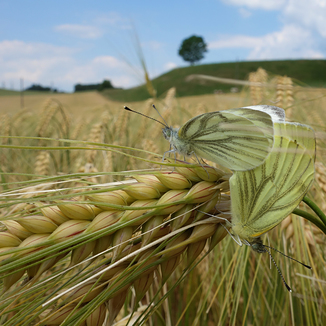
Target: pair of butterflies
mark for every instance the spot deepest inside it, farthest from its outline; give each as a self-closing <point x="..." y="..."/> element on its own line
<point x="272" y="161"/>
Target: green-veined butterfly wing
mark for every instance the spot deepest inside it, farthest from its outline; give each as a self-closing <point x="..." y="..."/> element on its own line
<point x="239" y="139"/>
<point x="276" y="114"/>
<point x="262" y="197"/>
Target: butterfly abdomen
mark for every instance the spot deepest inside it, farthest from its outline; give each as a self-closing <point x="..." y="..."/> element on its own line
<point x="243" y="231"/>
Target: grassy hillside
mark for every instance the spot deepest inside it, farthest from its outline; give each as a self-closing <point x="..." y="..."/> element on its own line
<point x="305" y="72"/>
<point x="7" y="92"/>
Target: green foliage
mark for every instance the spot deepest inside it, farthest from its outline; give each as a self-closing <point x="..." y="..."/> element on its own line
<point x="40" y="88"/>
<point x="192" y="49"/>
<point x="9" y="92"/>
<point x="106" y="84"/>
<point x="308" y="72"/>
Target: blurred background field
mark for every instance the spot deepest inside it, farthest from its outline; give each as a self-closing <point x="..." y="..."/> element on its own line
<point x="230" y="286"/>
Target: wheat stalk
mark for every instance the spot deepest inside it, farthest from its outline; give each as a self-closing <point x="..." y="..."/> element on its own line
<point x="284" y="94"/>
<point x="5" y="127"/>
<point x="144" y="123"/>
<point x="150" y="237"/>
<point x="120" y="126"/>
<point x="48" y="112"/>
<point x="289" y="100"/>
<point x="42" y="163"/>
<point x="200" y="109"/>
<point x="77" y="129"/>
<point x="169" y="98"/>
<point x="95" y="136"/>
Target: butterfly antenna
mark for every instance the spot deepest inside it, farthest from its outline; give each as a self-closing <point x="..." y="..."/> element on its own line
<point x="279" y="271"/>
<point x="166" y="125"/>
<point x="307" y="266"/>
<point x="146" y="116"/>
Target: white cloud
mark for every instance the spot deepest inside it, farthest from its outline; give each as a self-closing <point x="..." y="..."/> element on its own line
<point x="94" y="71"/>
<point x="10" y="49"/>
<point x="309" y="14"/>
<point x="81" y="31"/>
<point x="32" y="61"/>
<point x="107" y="61"/>
<point x="291" y="42"/>
<point x="258" y="4"/>
<point x="170" y="66"/>
<point x="302" y="36"/>
<point x="45" y="63"/>
<point x="236" y="41"/>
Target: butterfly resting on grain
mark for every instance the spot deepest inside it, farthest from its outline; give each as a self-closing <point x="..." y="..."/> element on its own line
<point x="263" y="197"/>
<point x="272" y="161"/>
<point x="239" y="139"/>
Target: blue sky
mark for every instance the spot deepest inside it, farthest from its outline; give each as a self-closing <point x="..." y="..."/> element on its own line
<point x="62" y="43"/>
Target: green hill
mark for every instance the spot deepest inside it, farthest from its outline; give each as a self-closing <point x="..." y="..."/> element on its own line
<point x="305" y="72"/>
<point x="5" y="92"/>
<point x="8" y="92"/>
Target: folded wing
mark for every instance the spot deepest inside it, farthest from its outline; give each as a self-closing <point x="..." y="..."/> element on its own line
<point x="262" y="197"/>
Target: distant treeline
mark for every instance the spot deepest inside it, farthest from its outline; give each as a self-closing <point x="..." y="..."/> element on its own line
<point x="106" y="84"/>
<point x="39" y="88"/>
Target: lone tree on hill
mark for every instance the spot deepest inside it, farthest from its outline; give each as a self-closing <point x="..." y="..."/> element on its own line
<point x="192" y="49"/>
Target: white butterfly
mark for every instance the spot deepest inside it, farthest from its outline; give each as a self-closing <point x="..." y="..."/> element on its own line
<point x="262" y="197"/>
<point x="239" y="139"/>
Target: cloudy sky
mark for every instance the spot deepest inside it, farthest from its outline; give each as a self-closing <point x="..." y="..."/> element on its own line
<point x="62" y="43"/>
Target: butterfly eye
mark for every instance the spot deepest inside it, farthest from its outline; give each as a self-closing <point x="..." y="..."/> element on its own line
<point x="166" y="133"/>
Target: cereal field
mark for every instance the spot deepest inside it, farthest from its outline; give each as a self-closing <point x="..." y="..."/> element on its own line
<point x="82" y="161"/>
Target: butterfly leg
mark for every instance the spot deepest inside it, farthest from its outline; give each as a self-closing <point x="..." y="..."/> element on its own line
<point x="236" y="238"/>
<point x="170" y="151"/>
<point x="198" y="160"/>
